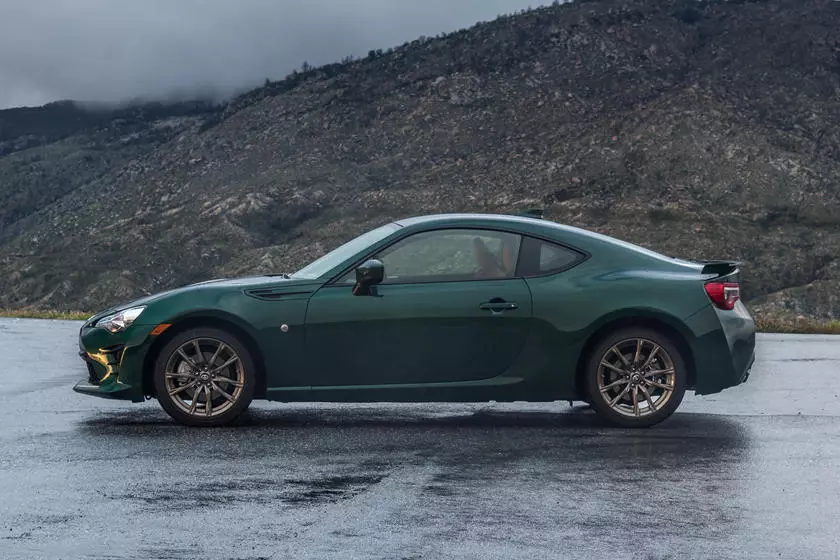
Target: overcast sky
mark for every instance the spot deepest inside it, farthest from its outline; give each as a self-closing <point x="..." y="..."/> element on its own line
<point x="112" y="50"/>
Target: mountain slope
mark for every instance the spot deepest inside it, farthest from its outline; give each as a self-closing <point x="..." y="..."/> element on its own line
<point x="700" y="129"/>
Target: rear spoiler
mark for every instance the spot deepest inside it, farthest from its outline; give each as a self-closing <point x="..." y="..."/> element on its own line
<point x="533" y="213"/>
<point x="719" y="268"/>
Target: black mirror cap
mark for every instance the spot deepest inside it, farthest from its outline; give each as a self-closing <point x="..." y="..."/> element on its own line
<point x="368" y="274"/>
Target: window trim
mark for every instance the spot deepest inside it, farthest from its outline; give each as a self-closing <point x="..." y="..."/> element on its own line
<point x="584" y="256"/>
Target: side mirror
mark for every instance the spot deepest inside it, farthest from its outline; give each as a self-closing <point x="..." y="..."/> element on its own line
<point x="369" y="273"/>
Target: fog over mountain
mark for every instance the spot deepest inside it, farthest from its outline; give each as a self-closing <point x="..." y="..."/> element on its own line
<point x="117" y="50"/>
<point x="700" y="129"/>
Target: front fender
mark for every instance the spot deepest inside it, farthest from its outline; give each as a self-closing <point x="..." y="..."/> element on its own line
<point x="274" y="327"/>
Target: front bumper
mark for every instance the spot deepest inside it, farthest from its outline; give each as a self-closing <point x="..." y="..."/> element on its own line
<point x="114" y="362"/>
<point x="119" y="391"/>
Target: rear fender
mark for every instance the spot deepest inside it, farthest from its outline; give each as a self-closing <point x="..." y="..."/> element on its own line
<point x="657" y="319"/>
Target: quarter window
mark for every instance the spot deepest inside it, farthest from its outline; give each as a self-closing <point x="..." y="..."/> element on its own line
<point x="540" y="257"/>
<point x="553" y="257"/>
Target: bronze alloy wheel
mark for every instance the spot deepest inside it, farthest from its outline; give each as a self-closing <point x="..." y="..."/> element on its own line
<point x="204" y="377"/>
<point x="637" y="378"/>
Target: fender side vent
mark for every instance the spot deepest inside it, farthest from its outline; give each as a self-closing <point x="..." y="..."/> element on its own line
<point x="273" y="293"/>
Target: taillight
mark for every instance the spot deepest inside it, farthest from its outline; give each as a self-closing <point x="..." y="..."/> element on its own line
<point x="724" y="294"/>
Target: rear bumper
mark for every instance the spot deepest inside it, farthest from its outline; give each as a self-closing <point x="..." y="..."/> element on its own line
<point x="724" y="352"/>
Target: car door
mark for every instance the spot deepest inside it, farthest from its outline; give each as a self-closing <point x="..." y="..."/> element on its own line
<point x="449" y="309"/>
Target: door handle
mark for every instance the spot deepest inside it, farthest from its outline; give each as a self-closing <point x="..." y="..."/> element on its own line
<point x="497" y="305"/>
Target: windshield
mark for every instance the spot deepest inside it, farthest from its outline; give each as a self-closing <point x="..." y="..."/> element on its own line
<point x="319" y="267"/>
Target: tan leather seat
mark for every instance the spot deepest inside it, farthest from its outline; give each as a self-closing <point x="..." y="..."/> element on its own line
<point x="486" y="262"/>
<point x="508" y="259"/>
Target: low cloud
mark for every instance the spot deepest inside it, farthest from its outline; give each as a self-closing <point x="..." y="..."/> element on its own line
<point x="116" y="50"/>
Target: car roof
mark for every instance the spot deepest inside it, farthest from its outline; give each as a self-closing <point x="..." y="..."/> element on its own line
<point x="526" y="223"/>
<point x="463" y="216"/>
<point x="584" y="239"/>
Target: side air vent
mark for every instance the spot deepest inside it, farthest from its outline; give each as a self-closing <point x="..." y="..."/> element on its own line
<point x="273" y="294"/>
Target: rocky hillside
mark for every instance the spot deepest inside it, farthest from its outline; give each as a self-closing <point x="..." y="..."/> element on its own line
<point x="704" y="129"/>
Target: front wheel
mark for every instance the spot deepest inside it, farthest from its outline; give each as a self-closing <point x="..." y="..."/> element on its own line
<point x="635" y="378"/>
<point x="204" y="377"/>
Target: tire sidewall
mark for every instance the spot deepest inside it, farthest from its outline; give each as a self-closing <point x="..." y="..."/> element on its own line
<point x="160" y="381"/>
<point x="603" y="409"/>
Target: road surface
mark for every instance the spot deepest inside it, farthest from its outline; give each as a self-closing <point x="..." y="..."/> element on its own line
<point x="753" y="472"/>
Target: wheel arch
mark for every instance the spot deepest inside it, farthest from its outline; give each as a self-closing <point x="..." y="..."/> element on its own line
<point x="213" y="319"/>
<point x="661" y="322"/>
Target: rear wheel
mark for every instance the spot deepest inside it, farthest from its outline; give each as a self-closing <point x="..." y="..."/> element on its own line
<point x="204" y="377"/>
<point x="636" y="378"/>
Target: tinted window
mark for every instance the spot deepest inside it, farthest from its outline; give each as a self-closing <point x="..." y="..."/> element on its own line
<point x="318" y="268"/>
<point x="555" y="257"/>
<point x="449" y="255"/>
<point x="543" y="257"/>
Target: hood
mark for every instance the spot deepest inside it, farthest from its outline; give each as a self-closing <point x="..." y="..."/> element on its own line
<point x="251" y="282"/>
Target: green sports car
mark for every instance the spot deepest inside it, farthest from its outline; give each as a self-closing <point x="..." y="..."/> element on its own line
<point x="453" y="307"/>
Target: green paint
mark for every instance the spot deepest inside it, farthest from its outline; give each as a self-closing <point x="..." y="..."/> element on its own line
<point x="415" y="339"/>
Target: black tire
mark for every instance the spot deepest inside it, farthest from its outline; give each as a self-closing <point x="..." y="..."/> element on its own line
<point x="236" y="381"/>
<point x="645" y="409"/>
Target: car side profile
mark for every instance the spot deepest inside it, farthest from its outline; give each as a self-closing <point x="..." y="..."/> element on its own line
<point x="451" y="307"/>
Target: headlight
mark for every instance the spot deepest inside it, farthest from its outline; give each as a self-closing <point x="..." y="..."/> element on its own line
<point x="120" y="321"/>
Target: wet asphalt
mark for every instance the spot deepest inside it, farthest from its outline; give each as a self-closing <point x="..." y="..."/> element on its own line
<point x="753" y="472"/>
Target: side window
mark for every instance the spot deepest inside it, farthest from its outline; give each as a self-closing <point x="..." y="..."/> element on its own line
<point x="450" y="255"/>
<point x="554" y="257"/>
<point x="543" y="257"/>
